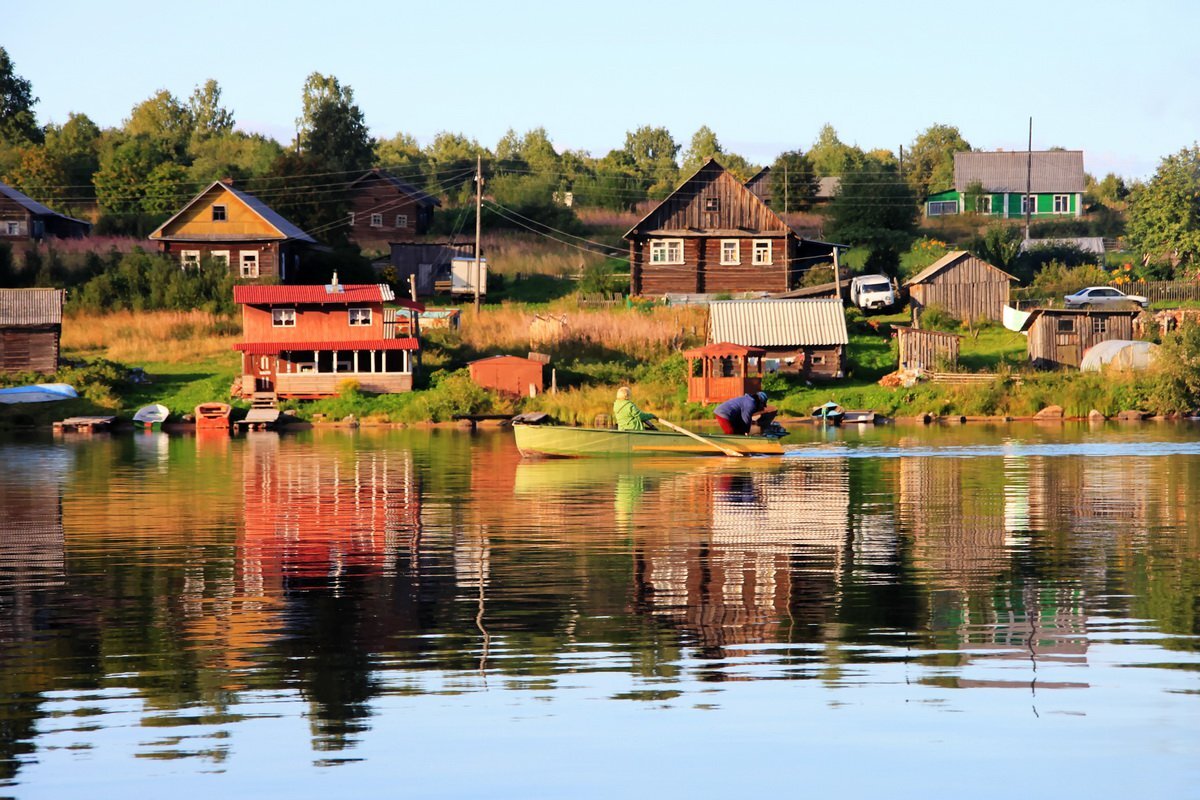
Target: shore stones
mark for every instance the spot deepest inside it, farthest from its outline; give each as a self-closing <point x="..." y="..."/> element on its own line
<point x="1050" y="412"/>
<point x="1095" y="416"/>
<point x="1129" y="414"/>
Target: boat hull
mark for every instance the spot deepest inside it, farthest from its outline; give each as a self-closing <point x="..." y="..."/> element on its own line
<point x="556" y="441"/>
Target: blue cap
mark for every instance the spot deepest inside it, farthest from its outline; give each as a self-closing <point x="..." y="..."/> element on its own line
<point x="762" y="397"/>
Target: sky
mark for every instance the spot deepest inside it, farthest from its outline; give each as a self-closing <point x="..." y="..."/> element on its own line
<point x="1114" y="79"/>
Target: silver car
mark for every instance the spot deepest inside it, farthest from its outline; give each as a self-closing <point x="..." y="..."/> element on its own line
<point x="1094" y="296"/>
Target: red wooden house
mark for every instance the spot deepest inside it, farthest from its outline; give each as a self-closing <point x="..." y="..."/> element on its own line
<point x="385" y="209"/>
<point x="715" y="235"/>
<point x="305" y="341"/>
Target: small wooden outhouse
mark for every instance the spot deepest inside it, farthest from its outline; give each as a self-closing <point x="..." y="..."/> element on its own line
<point x="1058" y="337"/>
<point x="722" y="371"/>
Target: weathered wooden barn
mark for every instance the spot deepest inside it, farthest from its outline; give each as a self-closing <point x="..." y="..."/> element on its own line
<point x="385" y="209"/>
<point x="806" y="337"/>
<point x="23" y="219"/>
<point x="30" y="329"/>
<point x="715" y="235"/>
<point x="964" y="286"/>
<point x="926" y="351"/>
<point x="1058" y="337"/>
<point x="228" y="225"/>
<point x="514" y="375"/>
<point x="721" y="371"/>
<point x="305" y="341"/>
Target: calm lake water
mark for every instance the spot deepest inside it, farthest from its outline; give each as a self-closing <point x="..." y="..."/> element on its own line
<point x="898" y="612"/>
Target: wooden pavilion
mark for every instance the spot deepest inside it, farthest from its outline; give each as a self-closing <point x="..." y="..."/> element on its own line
<point x="719" y="372"/>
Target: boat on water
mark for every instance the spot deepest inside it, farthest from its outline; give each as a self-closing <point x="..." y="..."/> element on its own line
<point x="151" y="417"/>
<point x="829" y="414"/>
<point x="212" y="416"/>
<point x="559" y="441"/>
<point x="38" y="393"/>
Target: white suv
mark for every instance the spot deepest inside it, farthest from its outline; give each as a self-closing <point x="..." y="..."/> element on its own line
<point x="1102" y="296"/>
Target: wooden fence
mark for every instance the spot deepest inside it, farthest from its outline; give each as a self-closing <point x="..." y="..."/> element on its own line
<point x="962" y="378"/>
<point x="1162" y="291"/>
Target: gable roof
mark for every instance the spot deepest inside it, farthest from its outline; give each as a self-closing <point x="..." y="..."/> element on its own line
<point x="666" y="215"/>
<point x="946" y="261"/>
<point x="328" y="294"/>
<point x="404" y="188"/>
<point x="1005" y="171"/>
<point x="778" y="323"/>
<point x="285" y="228"/>
<point x="33" y="206"/>
<point x="31" y="306"/>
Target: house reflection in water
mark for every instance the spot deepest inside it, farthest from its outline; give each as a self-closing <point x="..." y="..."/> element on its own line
<point x="771" y="554"/>
<point x="31" y="531"/>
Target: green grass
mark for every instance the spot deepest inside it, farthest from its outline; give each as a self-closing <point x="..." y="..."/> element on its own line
<point x="182" y="387"/>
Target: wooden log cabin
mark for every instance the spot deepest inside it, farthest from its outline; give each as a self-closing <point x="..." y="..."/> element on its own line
<point x="30" y="330"/>
<point x="1058" y="337"/>
<point x="232" y="226"/>
<point x="803" y="337"/>
<point x="23" y="219"/>
<point x="385" y="209"/>
<point x="722" y="371"/>
<point x="306" y="341"/>
<point x="964" y="286"/>
<point x="715" y="235"/>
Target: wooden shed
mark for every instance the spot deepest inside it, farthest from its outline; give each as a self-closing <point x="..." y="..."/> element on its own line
<point x="30" y="329"/>
<point x="964" y="286"/>
<point x="926" y="351"/>
<point x="1058" y="337"/>
<point x="804" y="337"/>
<point x="722" y="371"/>
<point x="509" y="374"/>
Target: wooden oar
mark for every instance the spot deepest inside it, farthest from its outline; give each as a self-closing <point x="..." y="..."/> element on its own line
<point x="726" y="450"/>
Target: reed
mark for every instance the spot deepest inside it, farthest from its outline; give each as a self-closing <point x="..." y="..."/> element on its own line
<point x="150" y="336"/>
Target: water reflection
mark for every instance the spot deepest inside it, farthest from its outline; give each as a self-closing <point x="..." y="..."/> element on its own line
<point x="189" y="586"/>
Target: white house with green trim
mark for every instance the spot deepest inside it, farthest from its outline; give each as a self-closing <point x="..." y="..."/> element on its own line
<point x="1055" y="185"/>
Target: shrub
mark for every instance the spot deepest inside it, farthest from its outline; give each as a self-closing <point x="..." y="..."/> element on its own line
<point x="936" y="318"/>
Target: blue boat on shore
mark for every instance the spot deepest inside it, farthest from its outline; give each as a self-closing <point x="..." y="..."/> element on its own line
<point x="38" y="393"/>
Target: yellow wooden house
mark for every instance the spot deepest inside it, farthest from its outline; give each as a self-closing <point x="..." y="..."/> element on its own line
<point x="226" y="224"/>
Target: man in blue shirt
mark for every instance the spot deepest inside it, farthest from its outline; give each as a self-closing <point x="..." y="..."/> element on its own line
<point x="737" y="416"/>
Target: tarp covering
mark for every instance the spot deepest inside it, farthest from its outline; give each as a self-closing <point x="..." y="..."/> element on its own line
<point x="1123" y="353"/>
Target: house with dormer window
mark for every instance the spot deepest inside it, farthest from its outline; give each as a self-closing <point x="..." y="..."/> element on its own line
<point x="306" y="341"/>
<point x="715" y="235"/>
<point x="232" y="226"/>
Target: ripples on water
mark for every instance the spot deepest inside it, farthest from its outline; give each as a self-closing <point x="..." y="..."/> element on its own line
<point x="430" y="613"/>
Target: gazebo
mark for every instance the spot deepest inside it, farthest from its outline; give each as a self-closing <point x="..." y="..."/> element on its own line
<point x="718" y="372"/>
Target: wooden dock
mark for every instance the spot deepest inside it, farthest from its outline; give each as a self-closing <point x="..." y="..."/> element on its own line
<point x="83" y="424"/>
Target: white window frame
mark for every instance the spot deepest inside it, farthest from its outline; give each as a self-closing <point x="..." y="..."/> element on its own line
<point x="189" y="258"/>
<point x="224" y="212"/>
<point x="242" y="263"/>
<point x="1062" y="204"/>
<point x="283" y="317"/>
<point x="12" y="228"/>
<point x="351" y="218"/>
<point x="358" y="317"/>
<point x="663" y="251"/>
<point x="762" y="246"/>
<point x="737" y="252"/>
<point x="377" y="220"/>
<point x="402" y="220"/>
<point x="220" y="255"/>
<point x="983" y="204"/>
<point x="1029" y="204"/>
<point x="941" y="208"/>
<point x="1100" y="325"/>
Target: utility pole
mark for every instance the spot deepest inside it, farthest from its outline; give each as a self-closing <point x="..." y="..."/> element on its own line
<point x="901" y="161"/>
<point x="478" y="222"/>
<point x="1029" y="180"/>
<point x="785" y="188"/>
<point x="837" y="275"/>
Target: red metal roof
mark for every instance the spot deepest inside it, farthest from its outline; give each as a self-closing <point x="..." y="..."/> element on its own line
<point x="342" y="294"/>
<point x="268" y="348"/>
<point x="724" y="349"/>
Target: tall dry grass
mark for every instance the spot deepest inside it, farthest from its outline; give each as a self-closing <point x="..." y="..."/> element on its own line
<point x="150" y="336"/>
<point x="632" y="333"/>
<point x="511" y="254"/>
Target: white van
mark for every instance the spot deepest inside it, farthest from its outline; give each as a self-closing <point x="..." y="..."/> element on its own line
<point x="872" y="292"/>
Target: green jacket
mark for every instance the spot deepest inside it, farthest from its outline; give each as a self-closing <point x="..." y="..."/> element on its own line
<point x="629" y="417"/>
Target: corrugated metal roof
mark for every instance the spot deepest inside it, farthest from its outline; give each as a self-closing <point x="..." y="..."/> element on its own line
<point x="33" y="206"/>
<point x="286" y="229"/>
<point x="1053" y="171"/>
<point x="268" y="348"/>
<point x="778" y="323"/>
<point x="946" y="261"/>
<point x="342" y="294"/>
<point x="31" y="306"/>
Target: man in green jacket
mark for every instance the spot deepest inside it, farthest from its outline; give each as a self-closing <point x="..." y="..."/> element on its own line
<point x="628" y="416"/>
